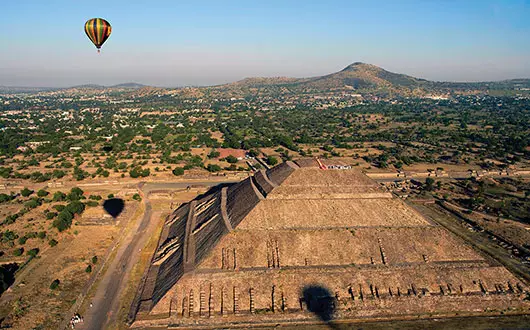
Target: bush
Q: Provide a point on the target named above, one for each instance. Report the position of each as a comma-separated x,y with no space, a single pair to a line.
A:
22,240
138,171
95,197
8,236
75,194
92,203
10,219
137,197
59,207
33,252
42,193
41,235
213,168
429,183
31,204
214,154
271,160
52,242
95,260
18,252
51,215
58,174
88,269
63,221
178,171
231,159
59,196
75,207
5,198
55,284
26,192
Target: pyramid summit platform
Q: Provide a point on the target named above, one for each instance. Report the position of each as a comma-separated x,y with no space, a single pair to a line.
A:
300,244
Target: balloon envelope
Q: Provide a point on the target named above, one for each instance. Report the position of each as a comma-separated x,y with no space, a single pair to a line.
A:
98,31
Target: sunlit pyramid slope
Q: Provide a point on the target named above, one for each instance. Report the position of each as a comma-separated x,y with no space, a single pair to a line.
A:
272,247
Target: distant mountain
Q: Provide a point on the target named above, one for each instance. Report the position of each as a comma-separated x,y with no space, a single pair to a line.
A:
363,76
128,85
370,78
17,89
357,77
86,86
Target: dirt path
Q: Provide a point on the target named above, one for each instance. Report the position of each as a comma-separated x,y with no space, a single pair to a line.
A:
105,302
108,289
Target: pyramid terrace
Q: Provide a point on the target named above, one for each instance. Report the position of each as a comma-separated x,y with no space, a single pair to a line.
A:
301,244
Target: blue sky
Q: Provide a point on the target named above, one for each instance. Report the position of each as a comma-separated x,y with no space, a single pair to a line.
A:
176,43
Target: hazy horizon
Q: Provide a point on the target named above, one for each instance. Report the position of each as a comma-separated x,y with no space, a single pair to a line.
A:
170,45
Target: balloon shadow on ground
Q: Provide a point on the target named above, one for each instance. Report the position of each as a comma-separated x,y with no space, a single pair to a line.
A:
114,206
107,148
320,302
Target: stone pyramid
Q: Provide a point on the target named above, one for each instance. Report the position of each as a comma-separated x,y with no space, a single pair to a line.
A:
298,243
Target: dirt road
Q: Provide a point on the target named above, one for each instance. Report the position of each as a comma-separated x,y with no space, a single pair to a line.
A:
105,302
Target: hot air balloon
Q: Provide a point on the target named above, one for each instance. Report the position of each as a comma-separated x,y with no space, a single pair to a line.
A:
98,30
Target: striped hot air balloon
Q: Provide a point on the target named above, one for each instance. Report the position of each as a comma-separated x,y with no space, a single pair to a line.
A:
98,30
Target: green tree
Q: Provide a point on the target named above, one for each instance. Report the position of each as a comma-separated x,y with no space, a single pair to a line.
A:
271,160
214,154
75,207
75,194
92,204
59,196
6,198
63,221
55,284
58,174
18,252
213,168
32,203
231,159
33,252
42,193
26,192
178,171
429,184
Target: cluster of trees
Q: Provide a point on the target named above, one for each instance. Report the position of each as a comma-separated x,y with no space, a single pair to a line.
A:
139,172
65,213
486,127
506,197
